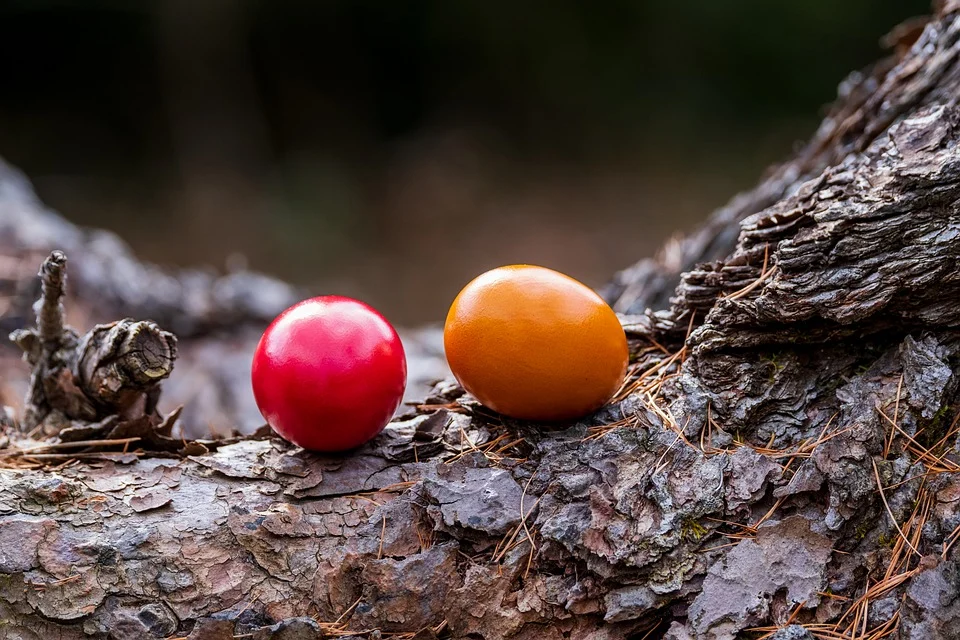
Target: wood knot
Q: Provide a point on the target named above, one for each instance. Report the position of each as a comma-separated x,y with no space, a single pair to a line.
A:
147,353
125,356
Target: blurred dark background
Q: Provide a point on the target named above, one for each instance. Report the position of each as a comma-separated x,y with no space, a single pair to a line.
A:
393,150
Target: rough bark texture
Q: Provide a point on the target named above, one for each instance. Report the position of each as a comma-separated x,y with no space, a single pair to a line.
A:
782,463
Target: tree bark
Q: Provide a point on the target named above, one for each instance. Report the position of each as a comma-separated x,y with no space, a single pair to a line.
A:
782,462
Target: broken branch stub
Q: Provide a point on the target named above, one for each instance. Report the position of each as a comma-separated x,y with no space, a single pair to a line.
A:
113,370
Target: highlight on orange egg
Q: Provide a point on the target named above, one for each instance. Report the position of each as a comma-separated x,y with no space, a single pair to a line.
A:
532,343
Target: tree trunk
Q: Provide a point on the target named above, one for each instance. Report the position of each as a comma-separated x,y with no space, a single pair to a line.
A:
782,462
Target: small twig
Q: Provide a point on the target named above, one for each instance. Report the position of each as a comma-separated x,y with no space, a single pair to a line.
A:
383,533
651,630
883,497
347,611
507,543
50,312
105,455
657,345
657,468
769,513
79,444
693,317
922,452
247,606
764,274
631,385
954,535
896,413
796,612
523,523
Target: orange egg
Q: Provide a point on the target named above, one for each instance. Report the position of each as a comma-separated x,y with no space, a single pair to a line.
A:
532,343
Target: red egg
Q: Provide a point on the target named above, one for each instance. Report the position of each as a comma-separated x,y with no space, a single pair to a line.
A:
329,373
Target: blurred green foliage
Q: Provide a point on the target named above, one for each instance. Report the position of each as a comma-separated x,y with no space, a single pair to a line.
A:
549,75
355,145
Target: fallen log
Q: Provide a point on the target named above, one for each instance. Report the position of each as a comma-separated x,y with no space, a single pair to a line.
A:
782,461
